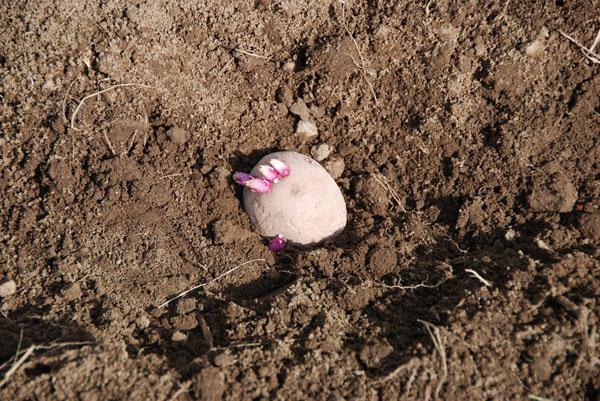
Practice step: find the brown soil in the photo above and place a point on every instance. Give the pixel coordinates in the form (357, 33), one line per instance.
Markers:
(485, 124)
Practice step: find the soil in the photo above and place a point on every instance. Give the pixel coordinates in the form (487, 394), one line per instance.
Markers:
(464, 136)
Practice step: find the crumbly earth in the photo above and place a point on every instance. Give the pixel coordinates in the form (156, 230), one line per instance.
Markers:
(465, 138)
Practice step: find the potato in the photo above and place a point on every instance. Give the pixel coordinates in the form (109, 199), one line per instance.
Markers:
(305, 207)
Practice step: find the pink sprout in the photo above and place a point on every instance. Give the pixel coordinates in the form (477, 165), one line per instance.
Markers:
(280, 167)
(269, 173)
(258, 185)
(242, 178)
(277, 243)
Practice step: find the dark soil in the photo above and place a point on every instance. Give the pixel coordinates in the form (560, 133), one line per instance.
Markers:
(485, 121)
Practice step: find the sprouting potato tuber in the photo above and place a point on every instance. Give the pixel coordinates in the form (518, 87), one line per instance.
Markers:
(292, 197)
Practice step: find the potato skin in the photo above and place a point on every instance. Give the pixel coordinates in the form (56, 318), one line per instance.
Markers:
(306, 207)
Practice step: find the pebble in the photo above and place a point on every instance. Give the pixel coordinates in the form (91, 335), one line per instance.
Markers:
(320, 151)
(301, 110)
(307, 128)
(335, 167)
(179, 336)
(8, 288)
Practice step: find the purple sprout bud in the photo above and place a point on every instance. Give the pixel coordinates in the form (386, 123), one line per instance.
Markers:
(269, 173)
(242, 178)
(258, 185)
(280, 167)
(277, 243)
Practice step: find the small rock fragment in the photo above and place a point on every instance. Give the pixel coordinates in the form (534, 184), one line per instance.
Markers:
(142, 322)
(179, 336)
(307, 128)
(73, 292)
(320, 151)
(186, 305)
(301, 110)
(50, 85)
(8, 288)
(335, 167)
(535, 49)
(589, 224)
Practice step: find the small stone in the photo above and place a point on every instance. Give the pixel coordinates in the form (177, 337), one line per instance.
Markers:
(289, 66)
(510, 234)
(142, 322)
(301, 110)
(73, 292)
(209, 384)
(335, 167)
(8, 288)
(179, 336)
(307, 128)
(320, 151)
(50, 85)
(178, 135)
(589, 225)
(535, 49)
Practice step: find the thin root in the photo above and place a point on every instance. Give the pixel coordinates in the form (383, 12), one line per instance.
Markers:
(478, 277)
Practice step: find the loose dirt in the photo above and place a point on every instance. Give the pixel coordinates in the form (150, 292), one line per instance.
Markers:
(464, 136)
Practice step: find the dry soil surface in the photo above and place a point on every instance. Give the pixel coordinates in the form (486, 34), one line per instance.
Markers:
(464, 135)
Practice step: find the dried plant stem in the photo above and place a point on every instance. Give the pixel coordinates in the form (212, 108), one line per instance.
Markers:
(589, 53)
(208, 282)
(247, 53)
(434, 333)
(386, 185)
(29, 351)
(82, 101)
(361, 67)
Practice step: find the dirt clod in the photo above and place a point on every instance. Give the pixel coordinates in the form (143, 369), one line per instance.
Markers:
(589, 224)
(555, 193)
